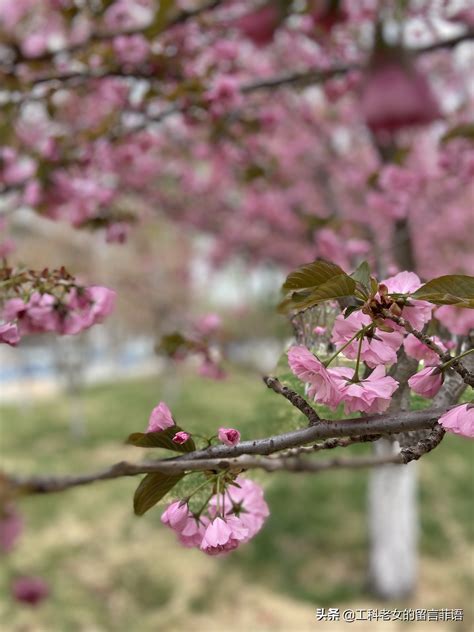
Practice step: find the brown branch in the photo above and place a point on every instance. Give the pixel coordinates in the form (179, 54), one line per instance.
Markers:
(330, 444)
(425, 445)
(296, 400)
(53, 484)
(248, 454)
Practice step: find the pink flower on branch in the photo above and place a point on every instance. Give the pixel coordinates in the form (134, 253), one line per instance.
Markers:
(181, 437)
(459, 420)
(78, 310)
(9, 334)
(418, 350)
(457, 320)
(160, 418)
(371, 395)
(229, 436)
(417, 313)
(222, 536)
(176, 515)
(248, 501)
(378, 348)
(231, 518)
(308, 368)
(427, 382)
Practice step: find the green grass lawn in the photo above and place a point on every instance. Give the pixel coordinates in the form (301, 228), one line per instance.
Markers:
(112, 571)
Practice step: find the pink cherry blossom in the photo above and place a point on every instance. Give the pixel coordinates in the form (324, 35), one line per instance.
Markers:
(181, 437)
(9, 334)
(371, 395)
(160, 418)
(459, 420)
(418, 350)
(457, 320)
(379, 348)
(176, 515)
(427, 382)
(308, 368)
(229, 436)
(192, 533)
(103, 300)
(222, 536)
(250, 503)
(417, 312)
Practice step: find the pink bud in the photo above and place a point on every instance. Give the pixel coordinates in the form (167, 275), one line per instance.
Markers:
(176, 515)
(9, 334)
(181, 437)
(426, 382)
(229, 436)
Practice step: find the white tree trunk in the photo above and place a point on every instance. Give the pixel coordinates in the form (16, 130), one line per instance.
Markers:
(393, 526)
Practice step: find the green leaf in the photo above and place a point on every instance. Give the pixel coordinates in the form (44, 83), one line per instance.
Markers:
(351, 309)
(362, 275)
(452, 289)
(152, 488)
(464, 130)
(170, 344)
(161, 439)
(312, 275)
(161, 17)
(339, 286)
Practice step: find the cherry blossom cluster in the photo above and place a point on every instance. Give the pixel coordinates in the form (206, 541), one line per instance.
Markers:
(233, 515)
(234, 511)
(369, 336)
(49, 301)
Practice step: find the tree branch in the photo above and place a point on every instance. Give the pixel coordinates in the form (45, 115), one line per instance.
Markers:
(296, 400)
(251, 454)
(466, 375)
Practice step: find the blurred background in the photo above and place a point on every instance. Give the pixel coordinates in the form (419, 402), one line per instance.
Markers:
(203, 217)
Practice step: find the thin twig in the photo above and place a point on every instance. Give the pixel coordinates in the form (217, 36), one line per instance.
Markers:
(248, 454)
(466, 375)
(296, 400)
(53, 484)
